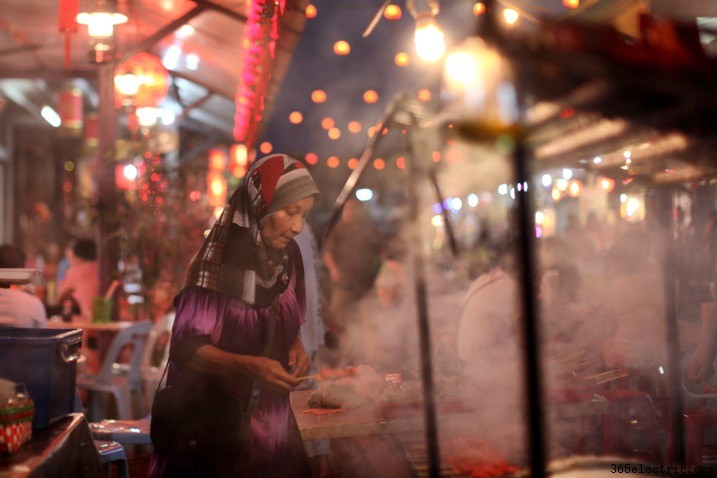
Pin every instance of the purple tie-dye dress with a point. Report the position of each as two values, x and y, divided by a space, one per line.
274 447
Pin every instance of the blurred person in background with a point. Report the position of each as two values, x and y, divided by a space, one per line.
82 280
312 335
18 308
351 256
39 234
634 306
488 344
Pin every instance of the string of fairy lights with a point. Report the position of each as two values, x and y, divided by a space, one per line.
402 59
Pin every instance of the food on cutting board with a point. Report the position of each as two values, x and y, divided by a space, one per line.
342 393
406 392
352 386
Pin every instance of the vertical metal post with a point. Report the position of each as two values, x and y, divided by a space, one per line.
528 294
106 200
416 176
663 224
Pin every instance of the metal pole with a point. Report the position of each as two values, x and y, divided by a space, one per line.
531 345
415 174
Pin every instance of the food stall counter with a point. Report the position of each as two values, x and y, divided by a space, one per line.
65 448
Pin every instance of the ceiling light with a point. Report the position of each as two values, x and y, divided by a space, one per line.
429 41
51 116
101 16
192 62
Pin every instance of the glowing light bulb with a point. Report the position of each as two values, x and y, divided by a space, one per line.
429 41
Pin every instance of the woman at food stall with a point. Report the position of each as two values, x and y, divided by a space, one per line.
247 276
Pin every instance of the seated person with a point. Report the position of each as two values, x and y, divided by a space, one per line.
634 306
82 282
488 345
18 308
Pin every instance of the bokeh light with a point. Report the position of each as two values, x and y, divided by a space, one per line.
334 133
318 96
370 96
295 117
402 59
342 47
327 123
266 147
311 158
392 12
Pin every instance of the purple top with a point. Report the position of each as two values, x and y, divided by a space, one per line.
274 446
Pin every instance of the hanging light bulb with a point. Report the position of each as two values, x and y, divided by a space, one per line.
478 82
429 41
101 16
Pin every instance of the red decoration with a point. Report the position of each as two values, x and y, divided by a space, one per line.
217 160
69 107
258 44
217 188
68 10
154 77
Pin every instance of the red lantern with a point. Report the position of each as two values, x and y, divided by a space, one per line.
152 77
239 160
217 188
217 160
69 107
67 15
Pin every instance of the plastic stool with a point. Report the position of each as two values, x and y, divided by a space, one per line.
126 432
112 452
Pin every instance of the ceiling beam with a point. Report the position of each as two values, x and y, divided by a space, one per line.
161 33
197 103
46 74
226 94
221 9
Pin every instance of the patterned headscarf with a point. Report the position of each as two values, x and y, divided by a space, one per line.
233 260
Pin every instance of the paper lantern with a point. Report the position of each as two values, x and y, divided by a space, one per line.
217 188
152 78
217 160
69 108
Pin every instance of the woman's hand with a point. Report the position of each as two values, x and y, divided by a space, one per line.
299 359
272 374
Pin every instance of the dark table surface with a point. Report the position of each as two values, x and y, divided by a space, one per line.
65 449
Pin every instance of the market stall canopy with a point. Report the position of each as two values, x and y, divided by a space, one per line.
198 41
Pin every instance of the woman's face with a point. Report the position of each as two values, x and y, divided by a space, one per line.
281 227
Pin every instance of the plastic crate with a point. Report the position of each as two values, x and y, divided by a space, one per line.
45 360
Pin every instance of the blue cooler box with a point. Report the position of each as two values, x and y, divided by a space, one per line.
45 360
